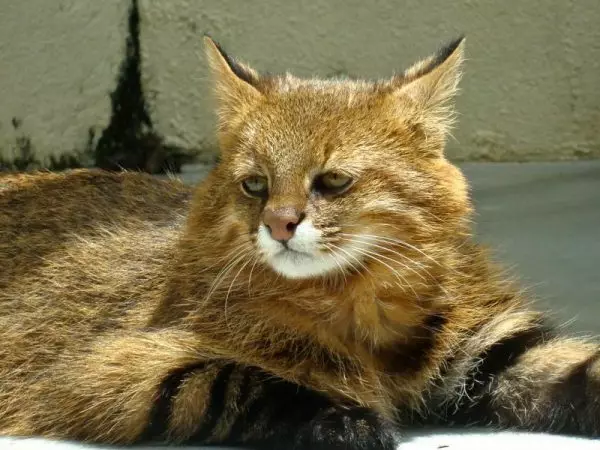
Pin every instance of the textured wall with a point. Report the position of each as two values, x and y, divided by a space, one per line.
531 90
58 62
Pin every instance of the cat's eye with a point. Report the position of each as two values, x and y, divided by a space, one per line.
255 186
332 183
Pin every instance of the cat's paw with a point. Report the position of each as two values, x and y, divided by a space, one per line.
338 428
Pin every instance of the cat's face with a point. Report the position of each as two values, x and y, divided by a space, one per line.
329 177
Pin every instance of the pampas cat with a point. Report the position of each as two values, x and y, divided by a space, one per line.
320 289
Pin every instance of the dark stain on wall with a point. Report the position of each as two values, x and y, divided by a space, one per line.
23 156
23 151
128 142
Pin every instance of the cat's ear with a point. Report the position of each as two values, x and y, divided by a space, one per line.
236 84
432 83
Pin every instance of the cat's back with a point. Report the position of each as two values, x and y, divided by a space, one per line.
79 198
39 211
85 237
81 253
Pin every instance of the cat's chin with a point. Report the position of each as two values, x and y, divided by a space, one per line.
298 265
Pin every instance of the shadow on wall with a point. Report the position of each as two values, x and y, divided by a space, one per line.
128 142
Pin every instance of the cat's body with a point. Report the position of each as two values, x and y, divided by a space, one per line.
132 308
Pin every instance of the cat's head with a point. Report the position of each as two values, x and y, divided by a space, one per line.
330 176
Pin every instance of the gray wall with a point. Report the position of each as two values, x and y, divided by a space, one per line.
531 89
58 63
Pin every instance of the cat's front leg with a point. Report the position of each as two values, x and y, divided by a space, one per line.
102 392
346 428
226 403
161 386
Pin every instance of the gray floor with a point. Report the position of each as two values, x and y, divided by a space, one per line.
542 220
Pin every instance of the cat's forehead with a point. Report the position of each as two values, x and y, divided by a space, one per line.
289 144
285 142
316 115
318 122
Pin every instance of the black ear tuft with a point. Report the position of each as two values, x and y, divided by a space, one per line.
444 52
238 69
441 55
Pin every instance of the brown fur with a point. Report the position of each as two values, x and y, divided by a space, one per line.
112 284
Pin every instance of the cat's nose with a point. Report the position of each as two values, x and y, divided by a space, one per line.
282 222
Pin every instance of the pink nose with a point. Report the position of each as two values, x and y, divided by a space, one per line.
282 222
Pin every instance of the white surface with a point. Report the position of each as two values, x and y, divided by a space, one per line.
481 440
438 440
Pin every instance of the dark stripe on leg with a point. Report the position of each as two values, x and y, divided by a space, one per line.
576 407
216 404
502 355
277 408
247 384
160 414
410 358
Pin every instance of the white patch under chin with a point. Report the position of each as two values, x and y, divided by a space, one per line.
302 258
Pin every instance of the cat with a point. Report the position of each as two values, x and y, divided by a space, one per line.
320 289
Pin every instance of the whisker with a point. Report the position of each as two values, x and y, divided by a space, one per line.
399 254
397 241
373 253
376 256
256 259
230 253
360 263
231 286
334 254
395 252
223 274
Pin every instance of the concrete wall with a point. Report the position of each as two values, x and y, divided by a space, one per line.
58 63
531 90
